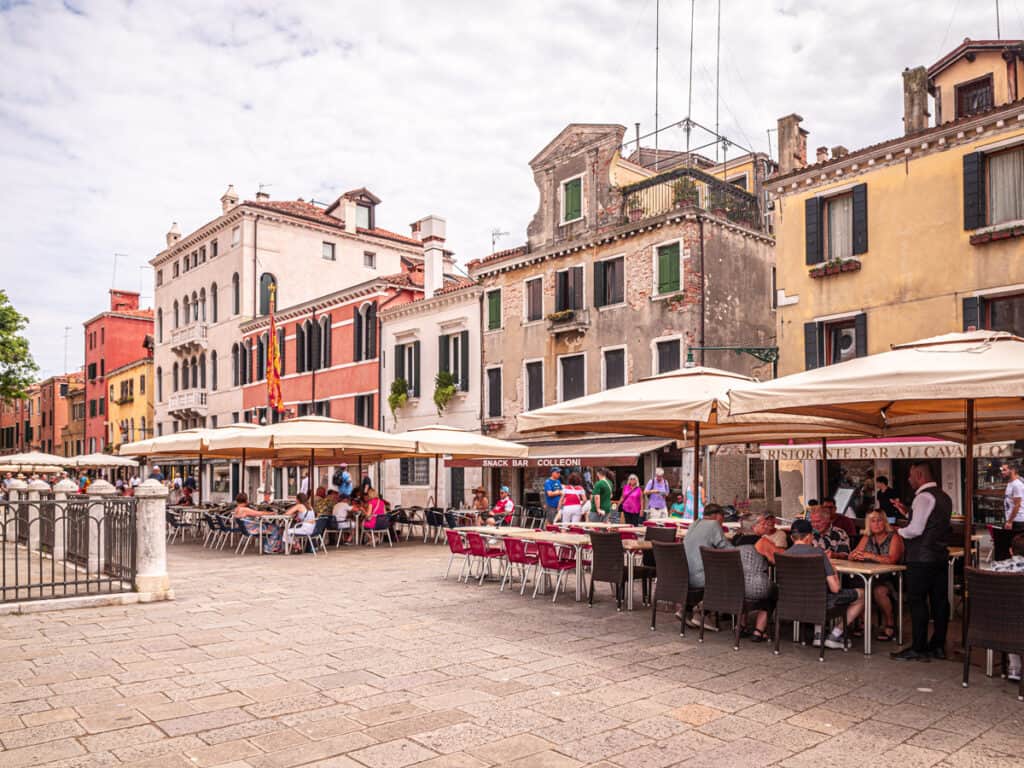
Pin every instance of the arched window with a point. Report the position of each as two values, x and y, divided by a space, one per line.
142 427
202 371
195 306
176 317
300 349
202 305
213 369
159 326
186 310
174 378
131 429
280 347
266 280
235 366
159 385
325 342
236 294
195 373
261 357
312 351
365 331
213 303
247 362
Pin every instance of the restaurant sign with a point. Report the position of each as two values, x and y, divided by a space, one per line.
937 449
545 462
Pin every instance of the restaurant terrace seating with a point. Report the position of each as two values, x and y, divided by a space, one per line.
802 597
995 616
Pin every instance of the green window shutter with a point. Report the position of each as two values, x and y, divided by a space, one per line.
400 361
493 310
668 268
442 354
599 280
464 368
573 202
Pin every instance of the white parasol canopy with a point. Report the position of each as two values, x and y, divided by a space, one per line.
101 461
442 440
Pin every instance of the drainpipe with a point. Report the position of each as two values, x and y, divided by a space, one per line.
700 224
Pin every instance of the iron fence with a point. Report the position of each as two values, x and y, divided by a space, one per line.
54 548
685 187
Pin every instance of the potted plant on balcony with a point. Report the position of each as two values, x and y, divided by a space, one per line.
636 210
399 396
562 316
684 193
445 387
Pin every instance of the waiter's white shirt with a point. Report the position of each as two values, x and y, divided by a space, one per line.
921 510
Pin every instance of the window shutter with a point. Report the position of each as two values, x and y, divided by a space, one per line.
314 347
300 349
561 290
464 367
813 230
443 348
599 283
357 335
860 219
668 268
280 348
812 345
400 362
573 195
974 190
371 332
493 310
415 383
860 327
972 313
494 392
577 289
327 341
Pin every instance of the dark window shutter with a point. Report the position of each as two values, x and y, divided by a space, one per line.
313 358
400 362
599 283
813 230
561 291
371 332
280 349
812 345
357 335
614 278
860 327
300 349
326 341
534 385
494 392
577 287
860 219
972 313
974 190
415 383
464 366
443 348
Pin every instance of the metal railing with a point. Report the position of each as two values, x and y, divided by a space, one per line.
689 187
189 400
52 548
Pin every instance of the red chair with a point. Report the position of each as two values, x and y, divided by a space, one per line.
552 528
577 530
549 562
458 549
518 552
627 535
479 550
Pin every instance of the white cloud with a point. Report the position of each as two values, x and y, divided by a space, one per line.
116 119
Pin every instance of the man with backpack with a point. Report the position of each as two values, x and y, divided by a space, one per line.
342 480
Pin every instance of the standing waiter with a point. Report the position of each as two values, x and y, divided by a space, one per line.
927 561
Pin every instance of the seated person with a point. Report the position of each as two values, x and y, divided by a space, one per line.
374 508
503 508
1015 564
324 505
342 511
803 533
706 532
186 497
880 544
304 517
481 505
827 537
249 519
844 523
758 586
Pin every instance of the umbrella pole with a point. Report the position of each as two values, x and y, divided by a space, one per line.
436 504
241 474
823 491
696 471
968 509
199 480
310 489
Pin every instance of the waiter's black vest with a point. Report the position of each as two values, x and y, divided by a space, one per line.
930 546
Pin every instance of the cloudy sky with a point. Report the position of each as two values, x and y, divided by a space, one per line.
118 118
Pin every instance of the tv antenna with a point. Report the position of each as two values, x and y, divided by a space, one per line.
263 187
113 280
496 234
67 332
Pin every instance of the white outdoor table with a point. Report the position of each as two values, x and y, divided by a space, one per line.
867 572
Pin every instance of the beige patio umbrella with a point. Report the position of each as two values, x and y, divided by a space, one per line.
101 461
961 386
689 404
34 461
442 440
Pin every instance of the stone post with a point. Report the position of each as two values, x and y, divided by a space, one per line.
61 492
99 491
17 490
151 580
36 489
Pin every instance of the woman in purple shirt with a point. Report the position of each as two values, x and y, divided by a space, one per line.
631 502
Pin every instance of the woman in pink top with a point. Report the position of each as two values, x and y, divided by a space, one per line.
632 500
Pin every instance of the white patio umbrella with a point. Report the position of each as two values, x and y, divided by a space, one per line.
101 461
34 461
442 440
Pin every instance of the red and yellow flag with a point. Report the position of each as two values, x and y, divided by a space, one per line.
274 399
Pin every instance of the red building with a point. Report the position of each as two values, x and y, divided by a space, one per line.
330 352
112 339
19 422
55 410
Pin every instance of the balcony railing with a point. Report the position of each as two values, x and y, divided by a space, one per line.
689 187
193 335
569 321
191 401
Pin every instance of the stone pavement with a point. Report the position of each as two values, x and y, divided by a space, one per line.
367 659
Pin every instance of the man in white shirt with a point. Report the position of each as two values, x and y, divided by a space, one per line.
1013 501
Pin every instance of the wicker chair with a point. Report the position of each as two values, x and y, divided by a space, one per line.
673 582
1002 539
802 595
607 564
725 589
995 615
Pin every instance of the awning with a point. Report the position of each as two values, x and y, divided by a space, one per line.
600 450
888 448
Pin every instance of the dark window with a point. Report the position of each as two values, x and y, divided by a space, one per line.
407 366
364 410
614 368
998 313
324 334
364 329
280 349
573 374
327 251
261 358
669 355
569 289
102 401
160 326
364 217
534 299
174 378
159 385
494 392
414 472
837 342
236 295
142 384
534 385
213 303
236 366
974 97
213 369
213 248
92 371
267 280
609 282
453 357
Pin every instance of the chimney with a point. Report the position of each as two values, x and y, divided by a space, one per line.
229 199
821 155
432 232
792 144
839 151
173 234
261 195
123 301
915 100
349 216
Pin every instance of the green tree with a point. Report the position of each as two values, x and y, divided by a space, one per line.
17 368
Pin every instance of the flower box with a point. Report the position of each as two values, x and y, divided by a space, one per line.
835 267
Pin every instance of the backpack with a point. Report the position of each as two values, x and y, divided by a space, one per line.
338 478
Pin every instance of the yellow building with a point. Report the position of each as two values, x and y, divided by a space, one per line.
130 409
912 237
